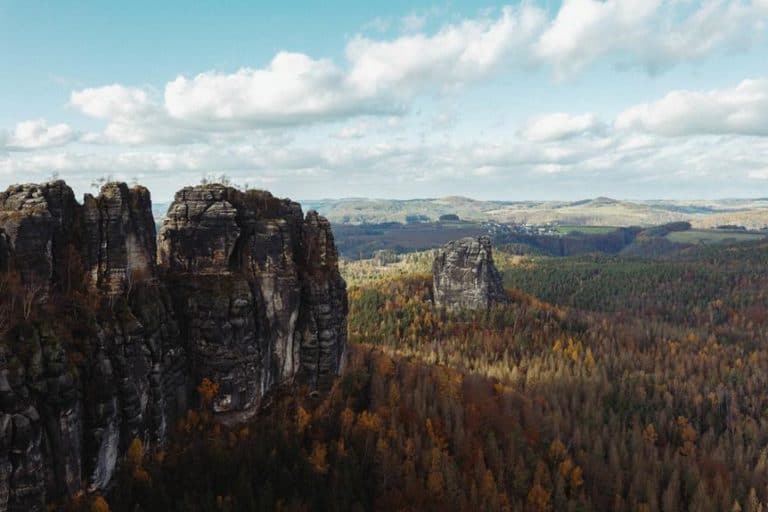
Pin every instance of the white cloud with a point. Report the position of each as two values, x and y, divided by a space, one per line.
741 110
506 167
382 77
655 34
134 117
36 134
585 29
352 131
559 126
292 88
112 102
385 76
455 55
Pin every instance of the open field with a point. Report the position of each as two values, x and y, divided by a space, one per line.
587 230
704 236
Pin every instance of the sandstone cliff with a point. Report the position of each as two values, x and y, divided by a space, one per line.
465 277
257 290
105 331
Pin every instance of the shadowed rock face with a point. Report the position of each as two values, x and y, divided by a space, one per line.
257 289
120 237
39 223
245 291
465 277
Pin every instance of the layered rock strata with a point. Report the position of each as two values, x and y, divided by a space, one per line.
257 290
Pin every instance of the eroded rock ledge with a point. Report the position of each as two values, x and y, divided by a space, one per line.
107 329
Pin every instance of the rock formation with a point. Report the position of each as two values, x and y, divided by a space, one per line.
465 277
257 290
105 334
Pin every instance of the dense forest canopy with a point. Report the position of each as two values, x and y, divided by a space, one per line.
642 389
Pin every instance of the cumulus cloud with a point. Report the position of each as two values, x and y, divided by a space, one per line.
381 77
36 134
585 29
112 102
655 34
559 126
384 76
355 168
134 117
740 110
455 55
235 122
292 88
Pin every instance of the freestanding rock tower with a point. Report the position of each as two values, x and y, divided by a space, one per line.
465 277
256 290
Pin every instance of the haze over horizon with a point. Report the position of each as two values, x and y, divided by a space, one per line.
531 100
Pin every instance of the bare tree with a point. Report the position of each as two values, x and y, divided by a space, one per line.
101 181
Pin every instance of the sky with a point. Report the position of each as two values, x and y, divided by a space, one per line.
538 99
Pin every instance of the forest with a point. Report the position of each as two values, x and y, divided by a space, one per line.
605 384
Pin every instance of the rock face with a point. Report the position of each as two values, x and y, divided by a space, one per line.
106 332
465 277
120 237
38 222
257 290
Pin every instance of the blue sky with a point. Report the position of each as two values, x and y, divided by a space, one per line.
523 100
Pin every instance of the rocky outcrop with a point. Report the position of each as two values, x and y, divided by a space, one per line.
105 334
39 222
92 358
465 277
257 290
120 237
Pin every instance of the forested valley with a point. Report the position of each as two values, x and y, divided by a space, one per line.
605 384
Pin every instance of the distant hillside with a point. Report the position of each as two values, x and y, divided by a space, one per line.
601 211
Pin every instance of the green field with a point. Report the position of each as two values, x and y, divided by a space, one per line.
587 230
703 236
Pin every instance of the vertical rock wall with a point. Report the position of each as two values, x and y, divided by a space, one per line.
247 292
258 289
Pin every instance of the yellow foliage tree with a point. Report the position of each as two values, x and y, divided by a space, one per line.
317 458
99 504
302 419
207 390
538 499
